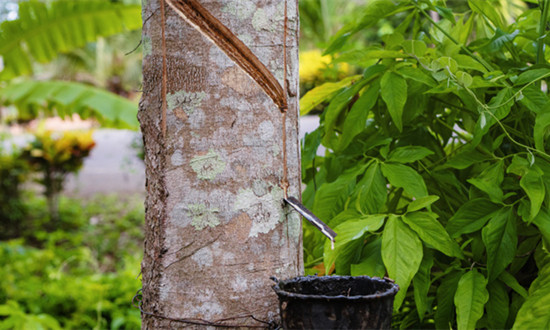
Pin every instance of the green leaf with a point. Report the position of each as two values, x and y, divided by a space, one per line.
357 117
470 297
402 255
466 159
464 79
533 186
489 181
534 99
310 145
43 31
500 239
467 62
322 93
422 202
408 154
402 176
71 97
513 283
542 221
371 190
531 76
445 300
486 9
350 231
371 263
471 216
393 89
541 130
533 314
421 283
415 47
446 13
332 113
331 196
446 63
498 305
416 75
500 39
431 232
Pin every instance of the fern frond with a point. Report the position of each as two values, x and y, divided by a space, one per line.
64 98
42 31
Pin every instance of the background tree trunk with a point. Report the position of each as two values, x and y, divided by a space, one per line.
216 227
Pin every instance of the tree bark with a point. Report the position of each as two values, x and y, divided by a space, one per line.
216 227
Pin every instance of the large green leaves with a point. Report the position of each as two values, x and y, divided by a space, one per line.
408 154
349 231
498 305
371 263
402 255
322 93
532 184
500 239
489 181
393 89
470 297
421 282
71 97
403 176
331 197
471 216
357 117
534 311
445 300
42 31
371 191
430 230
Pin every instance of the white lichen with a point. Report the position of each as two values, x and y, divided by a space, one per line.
208 166
202 217
147 45
261 21
187 101
203 257
266 130
177 158
263 210
240 9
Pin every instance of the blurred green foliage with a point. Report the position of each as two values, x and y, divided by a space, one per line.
13 173
82 275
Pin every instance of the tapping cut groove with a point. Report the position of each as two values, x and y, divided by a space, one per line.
203 21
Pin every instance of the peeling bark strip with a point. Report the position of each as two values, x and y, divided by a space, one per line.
196 15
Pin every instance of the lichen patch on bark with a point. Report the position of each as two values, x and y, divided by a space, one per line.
147 45
203 257
239 9
263 209
208 166
177 158
202 216
187 101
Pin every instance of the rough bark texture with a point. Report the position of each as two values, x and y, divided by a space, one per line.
216 227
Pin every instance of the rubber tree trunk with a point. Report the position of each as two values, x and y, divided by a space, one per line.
216 227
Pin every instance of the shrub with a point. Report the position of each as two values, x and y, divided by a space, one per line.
437 172
54 155
13 173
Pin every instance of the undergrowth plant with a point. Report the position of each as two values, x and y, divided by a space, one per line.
437 171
